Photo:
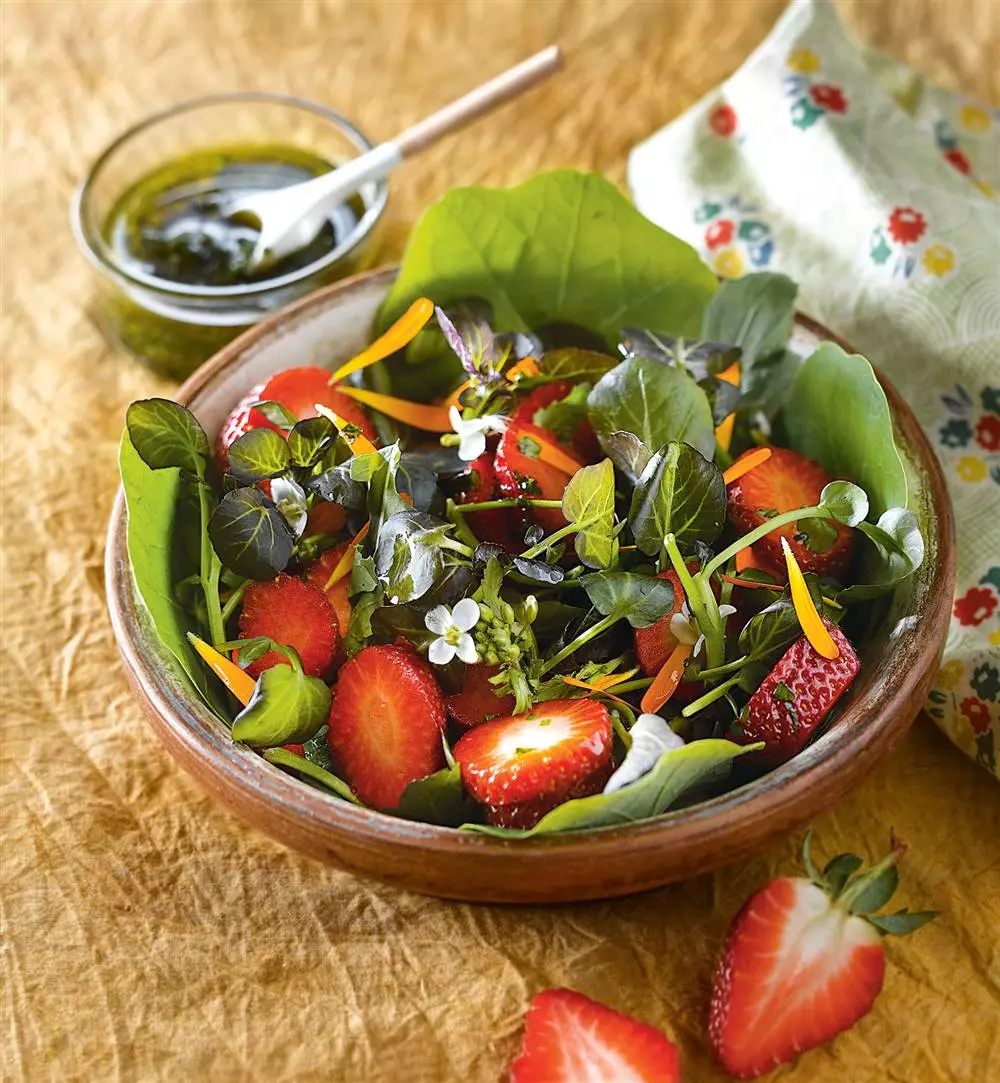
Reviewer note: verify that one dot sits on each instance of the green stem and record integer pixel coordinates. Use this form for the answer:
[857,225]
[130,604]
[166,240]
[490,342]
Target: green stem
[722,671]
[457,547]
[701,602]
[462,529]
[762,531]
[547,543]
[233,601]
[510,502]
[211,568]
[710,697]
[863,881]
[630,686]
[583,638]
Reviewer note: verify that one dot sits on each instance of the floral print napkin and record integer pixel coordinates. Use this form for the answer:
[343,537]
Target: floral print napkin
[878,195]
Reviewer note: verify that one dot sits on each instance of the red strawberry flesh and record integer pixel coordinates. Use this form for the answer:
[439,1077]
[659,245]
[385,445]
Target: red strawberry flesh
[501,525]
[584,443]
[570,1038]
[521,473]
[477,700]
[318,575]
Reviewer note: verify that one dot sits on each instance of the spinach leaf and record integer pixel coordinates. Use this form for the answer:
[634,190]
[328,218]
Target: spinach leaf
[258,455]
[286,707]
[250,535]
[640,599]
[898,550]
[629,454]
[837,414]
[589,504]
[680,493]
[564,247]
[677,772]
[166,434]
[317,772]
[754,312]
[656,402]
[437,799]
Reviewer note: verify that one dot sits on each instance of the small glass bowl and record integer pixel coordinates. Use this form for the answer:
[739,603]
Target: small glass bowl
[171,326]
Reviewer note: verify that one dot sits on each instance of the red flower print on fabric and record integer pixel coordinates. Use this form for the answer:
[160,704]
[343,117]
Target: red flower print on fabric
[988,432]
[830,98]
[906,225]
[719,233]
[960,160]
[977,713]
[976,605]
[722,120]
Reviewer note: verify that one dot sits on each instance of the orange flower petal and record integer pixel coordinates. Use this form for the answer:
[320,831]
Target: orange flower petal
[357,441]
[666,681]
[404,330]
[527,366]
[346,562]
[555,456]
[417,414]
[724,430]
[595,689]
[746,463]
[812,623]
[238,681]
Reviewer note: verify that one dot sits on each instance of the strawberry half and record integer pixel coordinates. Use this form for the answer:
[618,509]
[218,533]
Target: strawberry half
[520,472]
[477,701]
[802,962]
[655,644]
[569,1038]
[298,390]
[795,697]
[521,766]
[584,442]
[501,525]
[318,575]
[784,482]
[386,723]
[296,614]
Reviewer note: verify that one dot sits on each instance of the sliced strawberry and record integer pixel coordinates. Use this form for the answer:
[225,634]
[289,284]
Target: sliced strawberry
[501,525]
[546,753]
[520,472]
[584,442]
[318,575]
[523,815]
[655,644]
[296,614]
[796,696]
[570,1038]
[477,700]
[298,750]
[784,482]
[798,967]
[298,390]
[325,518]
[386,723]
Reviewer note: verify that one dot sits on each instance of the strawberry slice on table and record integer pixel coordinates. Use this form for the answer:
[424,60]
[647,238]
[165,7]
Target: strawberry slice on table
[318,574]
[522,766]
[477,701]
[783,482]
[795,697]
[298,390]
[296,614]
[501,525]
[569,1038]
[584,441]
[521,472]
[386,723]
[802,962]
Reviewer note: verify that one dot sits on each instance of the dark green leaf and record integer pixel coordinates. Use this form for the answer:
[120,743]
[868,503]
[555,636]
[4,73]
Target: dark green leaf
[166,434]
[554,617]
[589,504]
[771,631]
[877,892]
[539,570]
[723,397]
[902,923]
[678,771]
[408,557]
[252,649]
[629,454]
[259,455]
[337,486]
[363,610]
[845,501]
[278,415]
[286,707]
[250,535]
[573,365]
[898,550]
[317,749]
[641,599]
[656,402]
[839,870]
[754,312]
[680,493]
[701,358]
[283,758]
[817,534]
[417,479]
[309,439]
[564,416]
[437,799]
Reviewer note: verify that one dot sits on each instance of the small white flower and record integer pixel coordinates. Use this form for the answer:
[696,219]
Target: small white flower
[684,628]
[472,434]
[290,498]
[452,627]
[651,738]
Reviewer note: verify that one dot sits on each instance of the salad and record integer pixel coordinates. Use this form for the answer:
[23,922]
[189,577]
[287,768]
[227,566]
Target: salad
[575,540]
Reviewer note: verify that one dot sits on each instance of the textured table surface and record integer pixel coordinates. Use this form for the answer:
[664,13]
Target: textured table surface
[146,934]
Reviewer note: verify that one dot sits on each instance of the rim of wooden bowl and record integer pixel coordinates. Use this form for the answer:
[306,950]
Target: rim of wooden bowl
[595,863]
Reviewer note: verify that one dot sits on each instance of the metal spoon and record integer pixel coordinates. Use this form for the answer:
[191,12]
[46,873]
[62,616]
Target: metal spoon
[291,217]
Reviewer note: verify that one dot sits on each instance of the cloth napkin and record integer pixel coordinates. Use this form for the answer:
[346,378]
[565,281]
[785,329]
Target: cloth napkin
[878,194]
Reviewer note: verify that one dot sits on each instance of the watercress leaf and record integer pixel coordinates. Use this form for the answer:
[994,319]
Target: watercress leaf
[572,365]
[651,737]
[252,649]
[287,707]
[485,552]
[363,609]
[766,385]
[534,534]
[768,633]
[754,312]
[680,492]
[277,414]
[317,749]
[408,556]
[564,246]
[837,414]
[897,551]
[378,469]
[640,599]
[723,397]
[554,618]
[903,922]
[676,774]
[250,535]
[320,773]
[839,870]
[363,575]
[539,570]
[700,357]
[564,416]
[876,893]
[166,434]
[589,504]
[845,501]
[819,535]
[259,455]
[416,478]
[656,402]
[436,799]
[337,486]
[629,454]
[309,439]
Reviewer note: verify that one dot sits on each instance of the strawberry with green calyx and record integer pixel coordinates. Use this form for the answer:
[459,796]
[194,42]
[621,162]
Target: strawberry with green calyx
[804,960]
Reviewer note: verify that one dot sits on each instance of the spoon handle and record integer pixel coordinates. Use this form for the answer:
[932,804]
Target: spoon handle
[491,94]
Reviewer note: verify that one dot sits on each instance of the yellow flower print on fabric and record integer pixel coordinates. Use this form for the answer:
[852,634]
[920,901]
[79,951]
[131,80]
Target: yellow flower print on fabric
[950,674]
[974,119]
[729,263]
[971,469]
[804,61]
[939,260]
[986,189]
[994,638]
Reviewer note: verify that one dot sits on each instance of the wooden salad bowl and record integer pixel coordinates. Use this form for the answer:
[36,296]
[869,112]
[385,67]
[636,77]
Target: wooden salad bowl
[898,663]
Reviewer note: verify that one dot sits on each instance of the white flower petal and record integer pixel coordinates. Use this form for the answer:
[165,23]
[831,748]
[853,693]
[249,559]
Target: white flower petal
[466,649]
[699,643]
[438,620]
[471,445]
[441,652]
[726,611]
[682,629]
[465,615]
[455,417]
[651,738]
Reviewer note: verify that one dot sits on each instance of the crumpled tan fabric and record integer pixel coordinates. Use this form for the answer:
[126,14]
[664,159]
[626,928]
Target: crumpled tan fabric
[146,935]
